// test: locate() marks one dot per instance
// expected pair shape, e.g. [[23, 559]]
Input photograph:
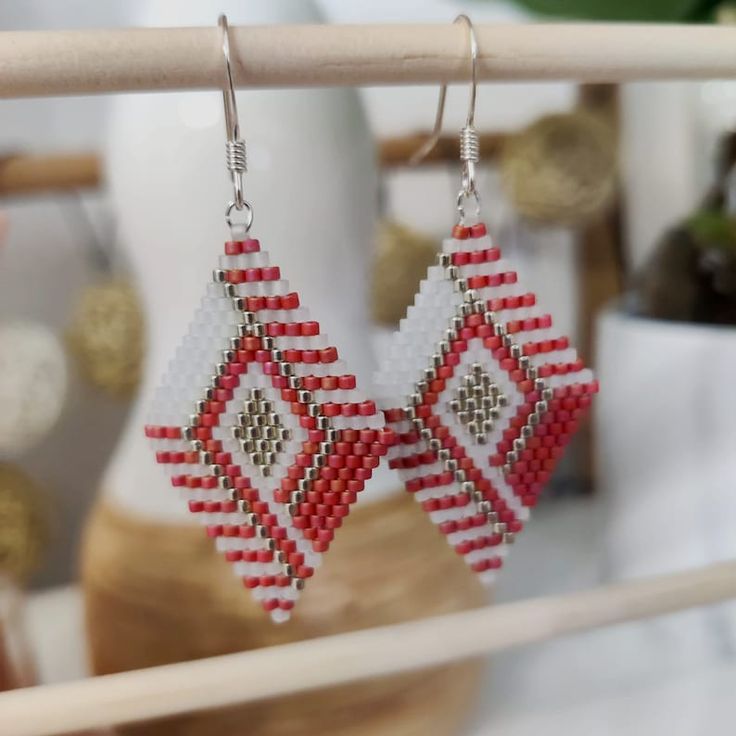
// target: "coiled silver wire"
[[236, 158], [470, 156], [469, 145]]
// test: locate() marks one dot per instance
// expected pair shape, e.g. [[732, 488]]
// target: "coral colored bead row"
[[469, 522], [363, 409], [273, 303], [237, 247], [482, 281], [483, 542], [158, 432], [460, 232], [499, 304], [250, 275], [292, 329], [343, 448], [489, 563], [328, 383], [475, 257], [326, 355]]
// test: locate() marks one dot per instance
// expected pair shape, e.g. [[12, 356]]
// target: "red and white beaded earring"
[[482, 393], [257, 420]]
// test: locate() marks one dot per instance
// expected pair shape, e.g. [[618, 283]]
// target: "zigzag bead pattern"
[[262, 428], [483, 397]]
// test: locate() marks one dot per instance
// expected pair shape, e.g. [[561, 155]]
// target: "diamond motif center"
[[477, 403], [260, 431]]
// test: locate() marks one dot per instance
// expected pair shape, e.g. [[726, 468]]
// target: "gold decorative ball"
[[106, 337], [23, 523], [402, 258], [561, 169]]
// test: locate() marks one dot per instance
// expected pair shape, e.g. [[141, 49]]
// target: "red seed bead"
[[330, 383], [235, 276], [478, 231], [290, 301], [253, 274], [251, 245], [460, 233], [233, 247], [346, 383], [328, 355], [309, 328], [271, 273], [311, 383]]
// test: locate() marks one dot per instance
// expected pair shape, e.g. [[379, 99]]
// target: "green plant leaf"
[[712, 229], [626, 10]]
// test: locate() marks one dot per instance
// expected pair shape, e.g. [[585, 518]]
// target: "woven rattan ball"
[[402, 258], [106, 337], [561, 169], [23, 523]]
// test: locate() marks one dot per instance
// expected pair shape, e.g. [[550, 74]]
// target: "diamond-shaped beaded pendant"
[[483, 396], [261, 427]]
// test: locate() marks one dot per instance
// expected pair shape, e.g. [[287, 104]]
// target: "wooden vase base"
[[158, 593]]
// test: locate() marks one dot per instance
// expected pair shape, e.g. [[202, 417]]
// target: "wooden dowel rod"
[[43, 63], [264, 673], [21, 174]]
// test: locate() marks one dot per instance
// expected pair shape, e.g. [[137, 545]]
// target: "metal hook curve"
[[426, 148], [235, 151], [228, 91]]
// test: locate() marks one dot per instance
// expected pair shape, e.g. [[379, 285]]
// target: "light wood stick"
[[34, 63], [316, 663], [26, 174]]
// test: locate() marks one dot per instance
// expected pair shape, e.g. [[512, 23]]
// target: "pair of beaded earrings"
[[262, 427]]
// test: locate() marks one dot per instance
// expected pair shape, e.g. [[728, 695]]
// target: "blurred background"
[[618, 206]]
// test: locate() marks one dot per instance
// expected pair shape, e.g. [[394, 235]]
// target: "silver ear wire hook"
[[469, 143], [235, 153]]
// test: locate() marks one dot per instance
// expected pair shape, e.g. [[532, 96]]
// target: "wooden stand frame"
[[80, 62]]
